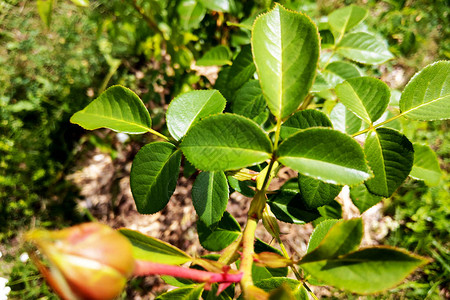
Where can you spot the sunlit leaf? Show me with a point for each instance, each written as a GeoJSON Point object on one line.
{"type": "Point", "coordinates": [286, 50]}
{"type": "Point", "coordinates": [117, 108]}
{"type": "Point", "coordinates": [427, 95]}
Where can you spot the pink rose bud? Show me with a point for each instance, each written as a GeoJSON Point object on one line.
{"type": "Point", "coordinates": [88, 261]}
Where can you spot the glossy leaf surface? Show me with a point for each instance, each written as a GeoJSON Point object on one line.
{"type": "Point", "coordinates": [217, 56]}
{"type": "Point", "coordinates": [217, 237]}
{"type": "Point", "coordinates": [226, 142]}
{"type": "Point", "coordinates": [191, 13]}
{"type": "Point", "coordinates": [325, 154]}
{"type": "Point", "coordinates": [188, 108]}
{"type": "Point", "coordinates": [150, 249]}
{"type": "Point", "coordinates": [364, 48]}
{"type": "Point", "coordinates": [390, 156]}
{"type": "Point", "coordinates": [344, 19]}
{"type": "Point", "coordinates": [304, 119]}
{"type": "Point", "coordinates": [426, 166]}
{"type": "Point", "coordinates": [184, 293]}
{"type": "Point", "coordinates": [344, 237]}
{"type": "Point", "coordinates": [365, 271]}
{"type": "Point", "coordinates": [319, 233]}
{"type": "Point", "coordinates": [362, 198]}
{"type": "Point", "coordinates": [317, 193]}
{"type": "Point", "coordinates": [117, 108]}
{"type": "Point", "coordinates": [367, 97]}
{"type": "Point", "coordinates": [286, 50]}
{"type": "Point", "coordinates": [270, 284]}
{"type": "Point", "coordinates": [344, 120]}
{"type": "Point", "coordinates": [339, 71]}
{"type": "Point", "coordinates": [288, 206]}
{"type": "Point", "coordinates": [427, 95]}
{"type": "Point", "coordinates": [210, 196]}
{"type": "Point", "coordinates": [154, 175]}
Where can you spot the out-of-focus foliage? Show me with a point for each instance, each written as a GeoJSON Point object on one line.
{"type": "Point", "coordinates": [44, 77]}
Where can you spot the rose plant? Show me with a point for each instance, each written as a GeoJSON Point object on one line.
{"type": "Point", "coordinates": [302, 109]}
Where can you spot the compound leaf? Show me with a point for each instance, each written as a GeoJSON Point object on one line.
{"type": "Point", "coordinates": [117, 108]}
{"type": "Point", "coordinates": [286, 50]}
{"type": "Point", "coordinates": [154, 175]}
{"type": "Point", "coordinates": [226, 142]}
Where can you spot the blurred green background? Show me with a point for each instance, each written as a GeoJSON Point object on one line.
{"type": "Point", "coordinates": [52, 65]}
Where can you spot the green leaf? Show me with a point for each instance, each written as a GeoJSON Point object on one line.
{"type": "Point", "coordinates": [426, 166]}
{"type": "Point", "coordinates": [362, 198]}
{"type": "Point", "coordinates": [154, 175]}
{"type": "Point", "coordinates": [316, 193]}
{"type": "Point", "coordinates": [427, 95]}
{"type": "Point", "coordinates": [339, 71]}
{"type": "Point", "coordinates": [242, 187]}
{"type": "Point", "coordinates": [367, 97]}
{"type": "Point", "coordinates": [191, 13]}
{"type": "Point", "coordinates": [390, 156]}
{"type": "Point", "coordinates": [117, 108]}
{"type": "Point", "coordinates": [325, 154]}
{"type": "Point", "coordinates": [330, 211]}
{"type": "Point", "coordinates": [344, 120]}
{"type": "Point", "coordinates": [365, 271]}
{"type": "Point", "coordinates": [183, 293]}
{"type": "Point", "coordinates": [249, 100]}
{"type": "Point", "coordinates": [364, 48]}
{"type": "Point", "coordinates": [83, 3]}
{"type": "Point", "coordinates": [216, 238]}
{"type": "Point", "coordinates": [304, 119]}
{"type": "Point", "coordinates": [210, 196]}
{"type": "Point", "coordinates": [188, 108]}
{"type": "Point", "coordinates": [178, 282]}
{"type": "Point", "coordinates": [319, 233]}
{"type": "Point", "coordinates": [286, 51]}
{"type": "Point", "coordinates": [344, 237]}
{"type": "Point", "coordinates": [226, 142]}
{"type": "Point", "coordinates": [320, 83]}
{"type": "Point", "coordinates": [217, 56]}
{"type": "Point", "coordinates": [239, 73]}
{"type": "Point", "coordinates": [344, 19]}
{"type": "Point", "coordinates": [150, 249]}
{"type": "Point", "coordinates": [298, 290]}
{"type": "Point", "coordinates": [288, 206]}
{"type": "Point", "coordinates": [261, 246]}
{"type": "Point", "coordinates": [218, 5]}
{"type": "Point", "coordinates": [45, 8]}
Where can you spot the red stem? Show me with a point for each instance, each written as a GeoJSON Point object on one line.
{"type": "Point", "coordinates": [145, 268]}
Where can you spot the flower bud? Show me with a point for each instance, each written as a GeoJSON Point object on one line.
{"type": "Point", "coordinates": [88, 261]}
